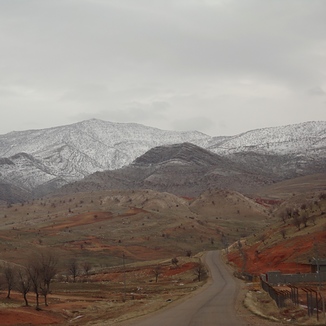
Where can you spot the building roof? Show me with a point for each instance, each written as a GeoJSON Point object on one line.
{"type": "Point", "coordinates": [321, 262]}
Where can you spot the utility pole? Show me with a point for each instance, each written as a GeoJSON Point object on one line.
{"type": "Point", "coordinates": [319, 280]}
{"type": "Point", "coordinates": [319, 288]}
{"type": "Point", "coordinates": [124, 278]}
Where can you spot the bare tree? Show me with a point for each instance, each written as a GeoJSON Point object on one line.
{"type": "Point", "coordinates": [200, 271]}
{"type": "Point", "coordinates": [87, 267]}
{"type": "Point", "coordinates": [289, 212]}
{"type": "Point", "coordinates": [23, 284]}
{"type": "Point", "coordinates": [174, 261]}
{"type": "Point", "coordinates": [283, 216]}
{"type": "Point", "coordinates": [42, 268]}
{"type": "Point", "coordinates": [10, 278]}
{"type": "Point", "coordinates": [244, 257]}
{"type": "Point", "coordinates": [283, 233]}
{"type": "Point", "coordinates": [304, 206]}
{"type": "Point", "coordinates": [304, 218]}
{"type": "Point", "coordinates": [73, 268]}
{"type": "Point", "coordinates": [297, 222]}
{"type": "Point", "coordinates": [157, 272]}
{"type": "Point", "coordinates": [34, 274]}
{"type": "Point", "coordinates": [318, 204]}
{"type": "Point", "coordinates": [225, 242]}
{"type": "Point", "coordinates": [48, 262]}
{"type": "Point", "coordinates": [295, 212]}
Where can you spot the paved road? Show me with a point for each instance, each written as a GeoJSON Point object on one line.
{"type": "Point", "coordinates": [212, 306]}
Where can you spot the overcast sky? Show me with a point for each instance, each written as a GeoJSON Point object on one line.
{"type": "Point", "coordinates": [217, 66]}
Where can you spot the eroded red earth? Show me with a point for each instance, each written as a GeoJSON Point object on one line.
{"type": "Point", "coordinates": [285, 256]}
{"type": "Point", "coordinates": [55, 312]}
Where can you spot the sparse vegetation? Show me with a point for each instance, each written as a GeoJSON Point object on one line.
{"type": "Point", "coordinates": [289, 244]}
{"type": "Point", "coordinates": [89, 235]}
{"type": "Point", "coordinates": [73, 268]}
{"type": "Point", "coordinates": [283, 233]}
{"type": "Point", "coordinates": [175, 261]}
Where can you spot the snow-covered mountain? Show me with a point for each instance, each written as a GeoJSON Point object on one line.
{"type": "Point", "coordinates": [304, 138]}
{"type": "Point", "coordinates": [40, 160]}
{"type": "Point", "coordinates": [62, 154]}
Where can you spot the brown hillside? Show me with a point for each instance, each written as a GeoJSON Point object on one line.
{"type": "Point", "coordinates": [286, 245]}
{"type": "Point", "coordinates": [301, 185]}
{"type": "Point", "coordinates": [142, 224]}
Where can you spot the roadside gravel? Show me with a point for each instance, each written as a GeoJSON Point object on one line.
{"type": "Point", "coordinates": [248, 311]}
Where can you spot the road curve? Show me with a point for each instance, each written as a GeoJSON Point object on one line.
{"type": "Point", "coordinates": [215, 305]}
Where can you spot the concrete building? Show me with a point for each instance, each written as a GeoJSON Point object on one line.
{"type": "Point", "coordinates": [318, 265]}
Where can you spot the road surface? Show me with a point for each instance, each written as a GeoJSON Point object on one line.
{"type": "Point", "coordinates": [215, 305]}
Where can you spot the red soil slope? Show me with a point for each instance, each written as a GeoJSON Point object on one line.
{"type": "Point", "coordinates": [289, 256]}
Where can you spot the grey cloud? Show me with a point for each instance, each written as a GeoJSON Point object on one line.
{"type": "Point", "coordinates": [86, 92]}
{"type": "Point", "coordinates": [317, 91]}
{"type": "Point", "coordinates": [150, 113]}
{"type": "Point", "coordinates": [120, 59]}
{"type": "Point", "coordinates": [193, 123]}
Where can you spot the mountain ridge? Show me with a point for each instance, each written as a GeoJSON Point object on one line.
{"type": "Point", "coordinates": [59, 155]}
{"type": "Point", "coordinates": [312, 132]}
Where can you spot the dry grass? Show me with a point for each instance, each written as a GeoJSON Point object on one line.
{"type": "Point", "coordinates": [143, 225]}
{"type": "Point", "coordinates": [146, 228]}
{"type": "Point", "coordinates": [301, 185]}
{"type": "Point", "coordinates": [110, 295]}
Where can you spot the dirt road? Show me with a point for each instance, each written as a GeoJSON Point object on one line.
{"type": "Point", "coordinates": [212, 306]}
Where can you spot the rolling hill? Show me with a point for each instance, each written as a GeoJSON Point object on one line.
{"type": "Point", "coordinates": [182, 169]}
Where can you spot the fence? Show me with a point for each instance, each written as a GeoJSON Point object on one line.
{"type": "Point", "coordinates": [278, 296]}
{"type": "Point", "coordinates": [314, 301]}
